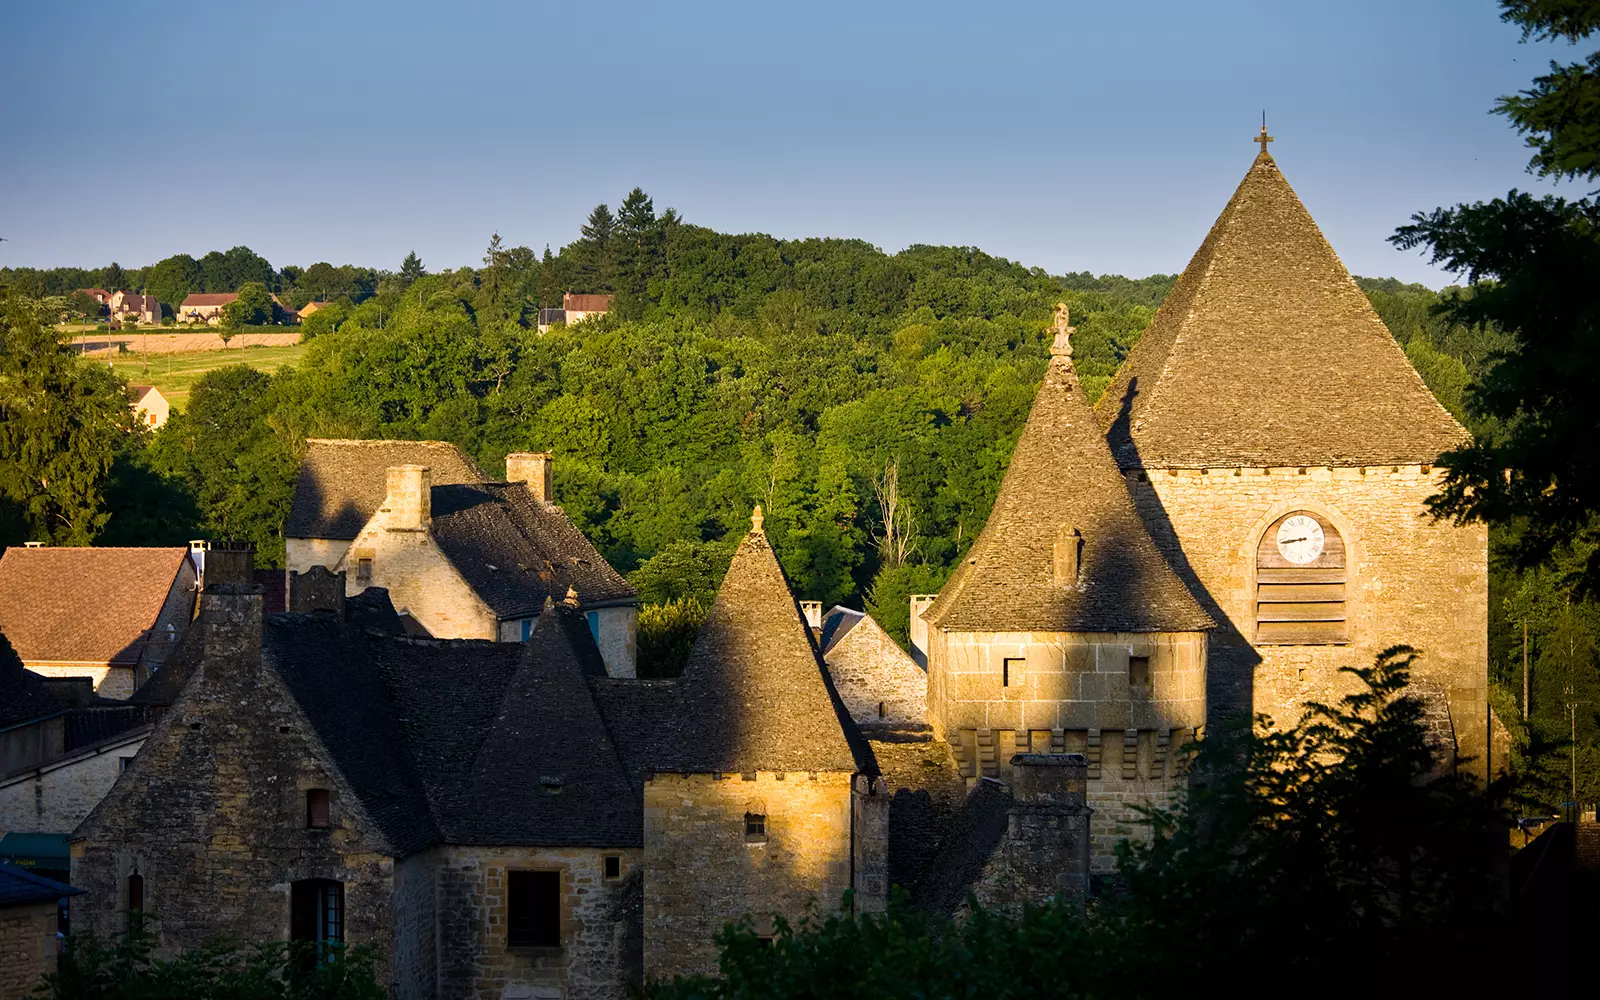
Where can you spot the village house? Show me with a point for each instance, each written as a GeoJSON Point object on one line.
{"type": "Point", "coordinates": [106, 614]}
{"type": "Point", "coordinates": [100, 295]}
{"type": "Point", "coordinates": [150, 408]}
{"type": "Point", "coordinates": [204, 307]}
{"type": "Point", "coordinates": [132, 307]}
{"type": "Point", "coordinates": [464, 558]}
{"type": "Point", "coordinates": [311, 309]}
{"type": "Point", "coordinates": [575, 308]}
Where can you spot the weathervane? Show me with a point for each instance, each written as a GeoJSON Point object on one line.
{"type": "Point", "coordinates": [1263, 138]}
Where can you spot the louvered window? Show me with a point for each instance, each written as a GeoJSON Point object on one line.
{"type": "Point", "coordinates": [1300, 582]}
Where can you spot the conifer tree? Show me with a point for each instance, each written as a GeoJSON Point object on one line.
{"type": "Point", "coordinates": [411, 269]}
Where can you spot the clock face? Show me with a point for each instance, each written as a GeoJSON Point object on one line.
{"type": "Point", "coordinates": [1300, 539]}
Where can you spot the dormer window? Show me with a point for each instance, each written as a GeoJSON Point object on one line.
{"type": "Point", "coordinates": [318, 814]}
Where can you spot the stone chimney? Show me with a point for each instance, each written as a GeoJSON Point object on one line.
{"type": "Point", "coordinates": [536, 468]}
{"type": "Point", "coordinates": [410, 500]}
{"type": "Point", "coordinates": [1047, 827]}
{"type": "Point", "coordinates": [317, 589]}
{"type": "Point", "coordinates": [1064, 562]}
{"type": "Point", "coordinates": [222, 563]}
{"type": "Point", "coordinates": [230, 627]}
{"type": "Point", "coordinates": [812, 610]}
{"type": "Point", "coordinates": [919, 627]}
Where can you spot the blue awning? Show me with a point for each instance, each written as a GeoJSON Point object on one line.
{"type": "Point", "coordinates": [36, 850]}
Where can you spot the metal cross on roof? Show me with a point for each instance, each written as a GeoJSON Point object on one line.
{"type": "Point", "coordinates": [1263, 138]}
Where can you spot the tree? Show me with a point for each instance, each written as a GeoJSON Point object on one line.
{"type": "Point", "coordinates": [1530, 264]}
{"type": "Point", "coordinates": [60, 421]}
{"type": "Point", "coordinates": [253, 307]}
{"type": "Point", "coordinates": [83, 306]}
{"type": "Point", "coordinates": [593, 255]}
{"type": "Point", "coordinates": [637, 255]}
{"type": "Point", "coordinates": [411, 269]}
{"type": "Point", "coordinates": [113, 277]}
{"type": "Point", "coordinates": [171, 280]}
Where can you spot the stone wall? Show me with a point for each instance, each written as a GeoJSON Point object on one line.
{"type": "Point", "coordinates": [463, 889]}
{"type": "Point", "coordinates": [109, 681]}
{"type": "Point", "coordinates": [1068, 681]}
{"type": "Point", "coordinates": [1046, 848]}
{"type": "Point", "coordinates": [1409, 580]}
{"type": "Point", "coordinates": [300, 554]}
{"type": "Point", "coordinates": [421, 581]}
{"type": "Point", "coordinates": [878, 683]}
{"type": "Point", "coordinates": [618, 640]}
{"type": "Point", "coordinates": [54, 797]}
{"type": "Point", "coordinates": [213, 813]}
{"type": "Point", "coordinates": [702, 872]}
{"type": "Point", "coordinates": [27, 947]}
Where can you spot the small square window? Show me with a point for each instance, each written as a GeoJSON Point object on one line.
{"type": "Point", "coordinates": [755, 828]}
{"type": "Point", "coordinates": [613, 866]}
{"type": "Point", "coordinates": [363, 570]}
{"type": "Point", "coordinates": [123, 763]}
{"type": "Point", "coordinates": [1011, 671]}
{"type": "Point", "coordinates": [1139, 670]}
{"type": "Point", "coordinates": [317, 813]}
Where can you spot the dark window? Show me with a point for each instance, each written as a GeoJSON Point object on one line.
{"type": "Point", "coordinates": [1139, 670]}
{"type": "Point", "coordinates": [123, 763]}
{"type": "Point", "coordinates": [135, 899]}
{"type": "Point", "coordinates": [613, 866]}
{"type": "Point", "coordinates": [755, 828]}
{"type": "Point", "coordinates": [363, 570]}
{"type": "Point", "coordinates": [1011, 671]}
{"type": "Point", "coordinates": [533, 909]}
{"type": "Point", "coordinates": [317, 817]}
{"type": "Point", "coordinates": [316, 914]}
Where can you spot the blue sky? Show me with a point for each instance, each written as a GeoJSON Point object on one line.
{"type": "Point", "coordinates": [1067, 135]}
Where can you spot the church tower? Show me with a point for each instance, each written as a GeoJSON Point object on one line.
{"type": "Point", "coordinates": [1279, 447]}
{"type": "Point", "coordinates": [1064, 630]}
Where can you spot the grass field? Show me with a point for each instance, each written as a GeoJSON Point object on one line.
{"type": "Point", "coordinates": [175, 374]}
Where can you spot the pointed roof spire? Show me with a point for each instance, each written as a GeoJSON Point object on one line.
{"type": "Point", "coordinates": [1063, 549]}
{"type": "Point", "coordinates": [1266, 353]}
{"type": "Point", "coordinates": [754, 698]}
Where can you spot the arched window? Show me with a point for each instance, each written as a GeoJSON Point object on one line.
{"type": "Point", "coordinates": [135, 907]}
{"type": "Point", "coordinates": [1300, 582]}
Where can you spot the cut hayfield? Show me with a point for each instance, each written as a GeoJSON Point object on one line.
{"type": "Point", "coordinates": [175, 373]}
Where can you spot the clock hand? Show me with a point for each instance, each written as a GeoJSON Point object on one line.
{"type": "Point", "coordinates": [1289, 541]}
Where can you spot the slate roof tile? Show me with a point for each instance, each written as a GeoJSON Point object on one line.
{"type": "Point", "coordinates": [23, 695]}
{"type": "Point", "coordinates": [342, 483]}
{"type": "Point", "coordinates": [1266, 354]}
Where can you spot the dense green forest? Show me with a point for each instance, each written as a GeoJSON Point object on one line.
{"type": "Point", "coordinates": [868, 401]}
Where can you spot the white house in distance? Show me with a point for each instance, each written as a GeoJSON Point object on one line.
{"type": "Point", "coordinates": [149, 406]}
{"type": "Point", "coordinates": [133, 307]}
{"type": "Point", "coordinates": [575, 308]}
{"type": "Point", "coordinates": [204, 307]}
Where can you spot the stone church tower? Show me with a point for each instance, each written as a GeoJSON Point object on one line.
{"type": "Point", "coordinates": [1065, 630]}
{"type": "Point", "coordinates": [1280, 447]}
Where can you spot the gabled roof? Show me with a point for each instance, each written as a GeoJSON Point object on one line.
{"type": "Point", "coordinates": [587, 302]}
{"type": "Point", "coordinates": [208, 299]}
{"type": "Point", "coordinates": [23, 695]}
{"type": "Point", "coordinates": [753, 696]}
{"type": "Point", "coordinates": [1062, 475]}
{"type": "Point", "coordinates": [516, 551]}
{"type": "Point", "coordinates": [1265, 353]}
{"type": "Point", "coordinates": [84, 605]}
{"type": "Point", "coordinates": [342, 483]}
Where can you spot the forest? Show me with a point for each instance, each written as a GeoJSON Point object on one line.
{"type": "Point", "coordinates": [868, 401]}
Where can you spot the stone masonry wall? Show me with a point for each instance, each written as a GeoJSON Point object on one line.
{"type": "Point", "coordinates": [55, 797]}
{"type": "Point", "coordinates": [1410, 580]}
{"type": "Point", "coordinates": [420, 581]}
{"type": "Point", "coordinates": [701, 873]}
{"type": "Point", "coordinates": [300, 554]}
{"type": "Point", "coordinates": [473, 959]}
{"type": "Point", "coordinates": [876, 680]}
{"type": "Point", "coordinates": [27, 947]}
{"type": "Point", "coordinates": [212, 813]}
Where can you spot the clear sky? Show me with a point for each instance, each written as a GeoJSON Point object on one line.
{"type": "Point", "coordinates": [1066, 135]}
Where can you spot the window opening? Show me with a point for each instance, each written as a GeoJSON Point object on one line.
{"type": "Point", "coordinates": [363, 570]}
{"type": "Point", "coordinates": [317, 812]}
{"type": "Point", "coordinates": [123, 763]}
{"type": "Point", "coordinates": [593, 618]}
{"type": "Point", "coordinates": [1011, 669]}
{"type": "Point", "coordinates": [1139, 670]}
{"type": "Point", "coordinates": [755, 828]}
{"type": "Point", "coordinates": [533, 909]}
{"type": "Point", "coordinates": [613, 866]}
{"type": "Point", "coordinates": [316, 916]}
{"type": "Point", "coordinates": [135, 899]}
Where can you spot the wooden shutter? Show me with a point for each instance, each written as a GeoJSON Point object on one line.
{"type": "Point", "coordinates": [1301, 605]}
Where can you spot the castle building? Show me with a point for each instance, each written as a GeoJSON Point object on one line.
{"type": "Point", "coordinates": [1280, 449]}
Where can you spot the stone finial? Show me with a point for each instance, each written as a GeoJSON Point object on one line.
{"type": "Point", "coordinates": [757, 519]}
{"type": "Point", "coordinates": [1061, 346]}
{"type": "Point", "coordinates": [572, 597]}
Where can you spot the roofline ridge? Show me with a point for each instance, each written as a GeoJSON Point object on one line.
{"type": "Point", "coordinates": [374, 442]}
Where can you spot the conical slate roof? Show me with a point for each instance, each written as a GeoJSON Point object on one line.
{"type": "Point", "coordinates": [1062, 476]}
{"type": "Point", "coordinates": [1265, 353]}
{"type": "Point", "coordinates": [753, 697]}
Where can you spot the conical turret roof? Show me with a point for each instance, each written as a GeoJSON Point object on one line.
{"type": "Point", "coordinates": [1265, 353]}
{"type": "Point", "coordinates": [753, 696]}
{"type": "Point", "coordinates": [1062, 476]}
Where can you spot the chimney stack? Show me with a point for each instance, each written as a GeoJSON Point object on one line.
{"type": "Point", "coordinates": [813, 612]}
{"type": "Point", "coordinates": [919, 628]}
{"type": "Point", "coordinates": [1068, 545]}
{"type": "Point", "coordinates": [218, 563]}
{"type": "Point", "coordinates": [534, 468]}
{"type": "Point", "coordinates": [409, 503]}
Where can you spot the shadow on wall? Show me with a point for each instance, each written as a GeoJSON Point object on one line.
{"type": "Point", "coordinates": [1231, 660]}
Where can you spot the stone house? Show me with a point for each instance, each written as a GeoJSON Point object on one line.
{"type": "Point", "coordinates": [107, 614]}
{"type": "Point", "coordinates": [1280, 448]}
{"type": "Point", "coordinates": [150, 408]}
{"type": "Point", "coordinates": [575, 308]}
{"type": "Point", "coordinates": [877, 681]}
{"type": "Point", "coordinates": [133, 307]}
{"type": "Point", "coordinates": [204, 307]}
{"type": "Point", "coordinates": [463, 557]}
{"type": "Point", "coordinates": [32, 720]}
{"type": "Point", "coordinates": [29, 918]}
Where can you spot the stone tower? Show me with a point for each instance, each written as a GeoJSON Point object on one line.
{"type": "Point", "coordinates": [1280, 447]}
{"type": "Point", "coordinates": [1064, 629]}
